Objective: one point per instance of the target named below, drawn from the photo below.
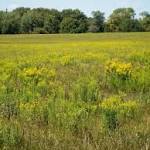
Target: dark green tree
(34, 19)
(52, 21)
(21, 11)
(1, 20)
(41, 20)
(11, 23)
(69, 25)
(96, 23)
(121, 19)
(52, 24)
(145, 21)
(27, 23)
(74, 21)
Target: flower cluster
(111, 104)
(119, 68)
(115, 103)
(31, 72)
(39, 72)
(29, 106)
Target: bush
(120, 69)
(34, 111)
(115, 109)
(118, 73)
(11, 135)
(40, 31)
(86, 89)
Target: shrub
(11, 135)
(118, 73)
(40, 31)
(115, 109)
(120, 69)
(86, 89)
(72, 114)
(34, 111)
(68, 60)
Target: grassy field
(75, 92)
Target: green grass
(75, 91)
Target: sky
(86, 6)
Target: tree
(69, 25)
(33, 19)
(52, 21)
(121, 19)
(137, 26)
(145, 21)
(56, 13)
(96, 24)
(74, 21)
(41, 20)
(26, 23)
(21, 11)
(1, 20)
(52, 24)
(18, 13)
(11, 24)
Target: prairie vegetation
(82, 92)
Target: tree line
(42, 20)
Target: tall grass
(87, 91)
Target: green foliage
(11, 24)
(39, 31)
(1, 21)
(73, 21)
(97, 22)
(122, 19)
(51, 24)
(145, 21)
(115, 109)
(21, 11)
(86, 89)
(34, 111)
(33, 19)
(118, 74)
(71, 114)
(42, 21)
(10, 134)
(69, 25)
(26, 23)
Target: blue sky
(86, 6)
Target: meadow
(75, 91)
